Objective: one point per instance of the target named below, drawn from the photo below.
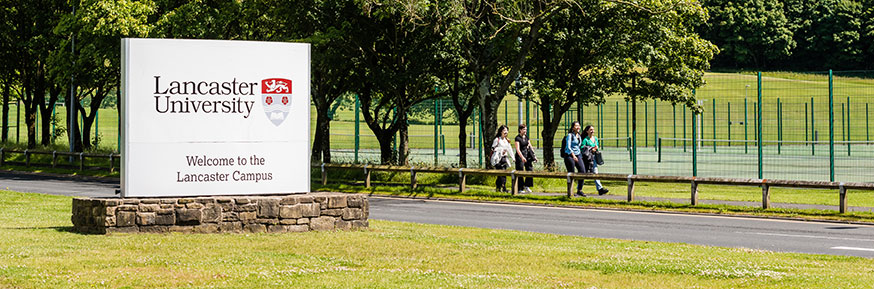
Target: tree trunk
(550, 126)
(403, 139)
(462, 139)
(5, 126)
(72, 119)
(47, 116)
(385, 151)
(321, 150)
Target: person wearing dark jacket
(524, 158)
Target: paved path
(754, 233)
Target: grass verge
(39, 251)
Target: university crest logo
(276, 98)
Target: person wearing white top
(502, 154)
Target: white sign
(214, 117)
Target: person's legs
(520, 167)
(597, 182)
(501, 181)
(580, 168)
(529, 181)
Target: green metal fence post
(528, 115)
(627, 130)
(357, 108)
(684, 127)
(617, 123)
(806, 134)
(674, 127)
(694, 144)
(849, 133)
(746, 124)
(633, 136)
(481, 140)
(714, 125)
(812, 130)
(759, 123)
(435, 132)
(506, 119)
(655, 121)
(53, 124)
(779, 126)
(479, 119)
(17, 120)
(831, 128)
(600, 120)
(96, 123)
(729, 123)
(645, 123)
(867, 126)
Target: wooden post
(111, 164)
(2, 156)
(843, 196)
(26, 158)
(55, 159)
(630, 189)
(766, 195)
(462, 179)
(412, 178)
(570, 184)
(324, 175)
(81, 162)
(366, 177)
(694, 193)
(514, 181)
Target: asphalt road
(754, 233)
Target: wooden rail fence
(765, 184)
(55, 154)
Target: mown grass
(482, 189)
(37, 250)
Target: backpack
(564, 147)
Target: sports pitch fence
(814, 126)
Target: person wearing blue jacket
(573, 158)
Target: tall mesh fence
(810, 130)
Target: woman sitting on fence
(592, 141)
(502, 153)
(572, 155)
(524, 158)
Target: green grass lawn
(39, 251)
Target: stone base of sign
(231, 214)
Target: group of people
(579, 150)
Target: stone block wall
(231, 214)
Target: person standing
(524, 158)
(573, 157)
(502, 153)
(591, 140)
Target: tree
(397, 44)
(750, 34)
(827, 32)
(33, 41)
(592, 50)
(496, 37)
(7, 61)
(331, 66)
(99, 26)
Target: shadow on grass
(63, 229)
